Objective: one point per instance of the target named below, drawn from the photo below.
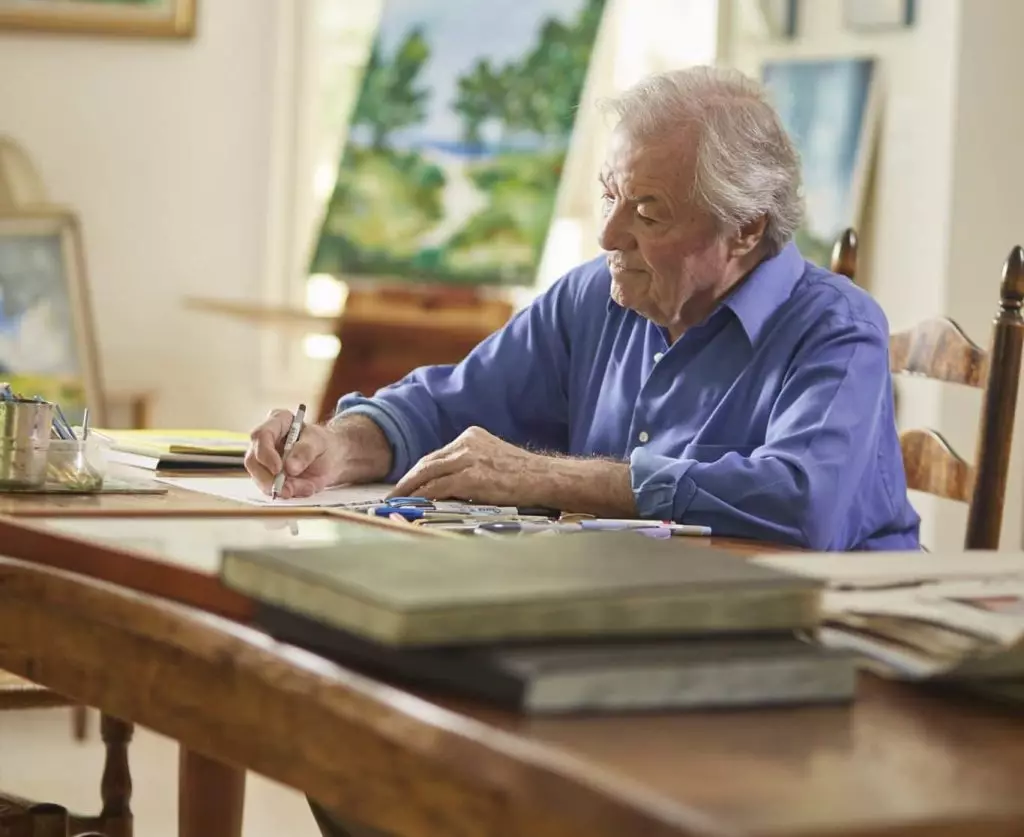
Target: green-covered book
(541, 587)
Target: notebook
(176, 449)
(641, 674)
(447, 591)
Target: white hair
(746, 164)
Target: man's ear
(748, 237)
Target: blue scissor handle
(407, 512)
(409, 501)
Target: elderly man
(701, 371)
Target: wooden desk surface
(899, 761)
(175, 501)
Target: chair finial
(1012, 288)
(844, 254)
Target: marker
(413, 513)
(607, 524)
(650, 528)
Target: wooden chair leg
(80, 722)
(116, 784)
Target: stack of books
(176, 450)
(955, 618)
(600, 621)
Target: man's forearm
(366, 452)
(592, 486)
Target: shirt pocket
(712, 453)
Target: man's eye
(645, 219)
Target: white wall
(943, 213)
(163, 150)
(986, 213)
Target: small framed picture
(872, 15)
(137, 18)
(768, 20)
(47, 345)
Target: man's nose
(614, 234)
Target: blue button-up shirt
(772, 419)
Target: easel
(387, 330)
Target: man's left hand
(476, 467)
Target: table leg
(210, 797)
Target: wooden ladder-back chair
(939, 350)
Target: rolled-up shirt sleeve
(800, 485)
(514, 384)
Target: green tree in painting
(480, 97)
(539, 93)
(383, 199)
(536, 95)
(390, 98)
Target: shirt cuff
(391, 423)
(661, 488)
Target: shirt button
(658, 356)
(643, 437)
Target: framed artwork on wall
(47, 344)
(141, 18)
(780, 17)
(767, 20)
(831, 110)
(874, 15)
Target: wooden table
(899, 761)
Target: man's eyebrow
(643, 199)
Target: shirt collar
(762, 293)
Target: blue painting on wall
(830, 110)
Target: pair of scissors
(413, 502)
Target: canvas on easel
(452, 165)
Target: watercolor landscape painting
(830, 110)
(457, 141)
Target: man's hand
(478, 467)
(353, 450)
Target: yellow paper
(222, 442)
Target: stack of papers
(916, 615)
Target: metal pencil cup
(24, 442)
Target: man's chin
(626, 294)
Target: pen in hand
(289, 443)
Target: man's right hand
(353, 450)
(314, 462)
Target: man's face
(667, 257)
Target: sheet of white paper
(244, 490)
